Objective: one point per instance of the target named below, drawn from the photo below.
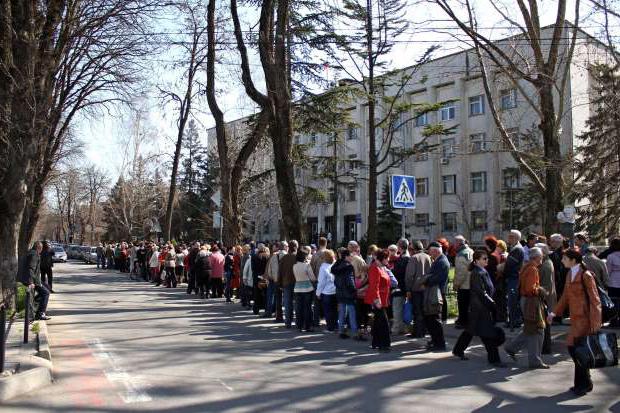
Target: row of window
(511, 179)
(478, 221)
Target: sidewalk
(28, 366)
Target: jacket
(325, 284)
(514, 263)
(400, 271)
(216, 260)
(418, 265)
(529, 280)
(304, 277)
(248, 277)
(316, 261)
(547, 281)
(435, 281)
(585, 311)
(29, 268)
(202, 266)
(344, 280)
(481, 321)
(613, 269)
(378, 286)
(360, 271)
(463, 258)
(285, 270)
(273, 266)
(46, 258)
(597, 267)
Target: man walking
(464, 256)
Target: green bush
(21, 298)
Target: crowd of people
(527, 285)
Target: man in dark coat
(435, 282)
(46, 264)
(29, 274)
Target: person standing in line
(259, 265)
(418, 265)
(277, 299)
(316, 260)
(582, 299)
(100, 256)
(547, 281)
(326, 290)
(271, 275)
(556, 244)
(154, 266)
(531, 241)
(360, 271)
(47, 265)
(398, 293)
(596, 266)
(248, 278)
(228, 274)
(434, 281)
(513, 265)
(179, 268)
(170, 263)
(481, 320)
(582, 242)
(462, 262)
(216, 260)
(304, 277)
(202, 272)
(346, 294)
(613, 283)
(377, 296)
(532, 293)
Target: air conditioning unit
(445, 161)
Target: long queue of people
(528, 285)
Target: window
(479, 220)
(448, 222)
(479, 182)
(447, 112)
(508, 98)
(511, 178)
(421, 220)
(352, 133)
(448, 184)
(478, 142)
(351, 193)
(476, 105)
(352, 165)
(447, 148)
(420, 157)
(313, 138)
(421, 187)
(422, 120)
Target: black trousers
(217, 287)
(419, 328)
(47, 277)
(435, 329)
(462, 299)
(444, 307)
(489, 344)
(583, 381)
(546, 347)
(278, 303)
(380, 330)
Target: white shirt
(326, 281)
(574, 271)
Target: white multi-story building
(467, 182)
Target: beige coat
(547, 281)
(418, 265)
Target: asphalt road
(125, 346)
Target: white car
(59, 254)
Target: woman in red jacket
(378, 296)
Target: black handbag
(597, 350)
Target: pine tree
(388, 220)
(597, 160)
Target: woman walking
(481, 320)
(581, 298)
(378, 295)
(304, 277)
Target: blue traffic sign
(403, 191)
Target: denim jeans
(227, 289)
(287, 298)
(269, 299)
(347, 310)
(514, 310)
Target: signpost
(402, 195)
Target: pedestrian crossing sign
(403, 191)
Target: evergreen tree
(597, 159)
(388, 220)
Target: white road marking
(133, 388)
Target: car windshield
(58, 249)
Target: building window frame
(476, 105)
(421, 120)
(478, 142)
(449, 222)
(478, 181)
(421, 187)
(508, 98)
(447, 112)
(479, 220)
(511, 178)
(422, 220)
(448, 184)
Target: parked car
(84, 251)
(59, 254)
(90, 257)
(73, 251)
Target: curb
(32, 372)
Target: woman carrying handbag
(581, 298)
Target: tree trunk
(173, 178)
(554, 182)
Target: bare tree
(194, 53)
(540, 60)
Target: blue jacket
(514, 262)
(438, 274)
(344, 282)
